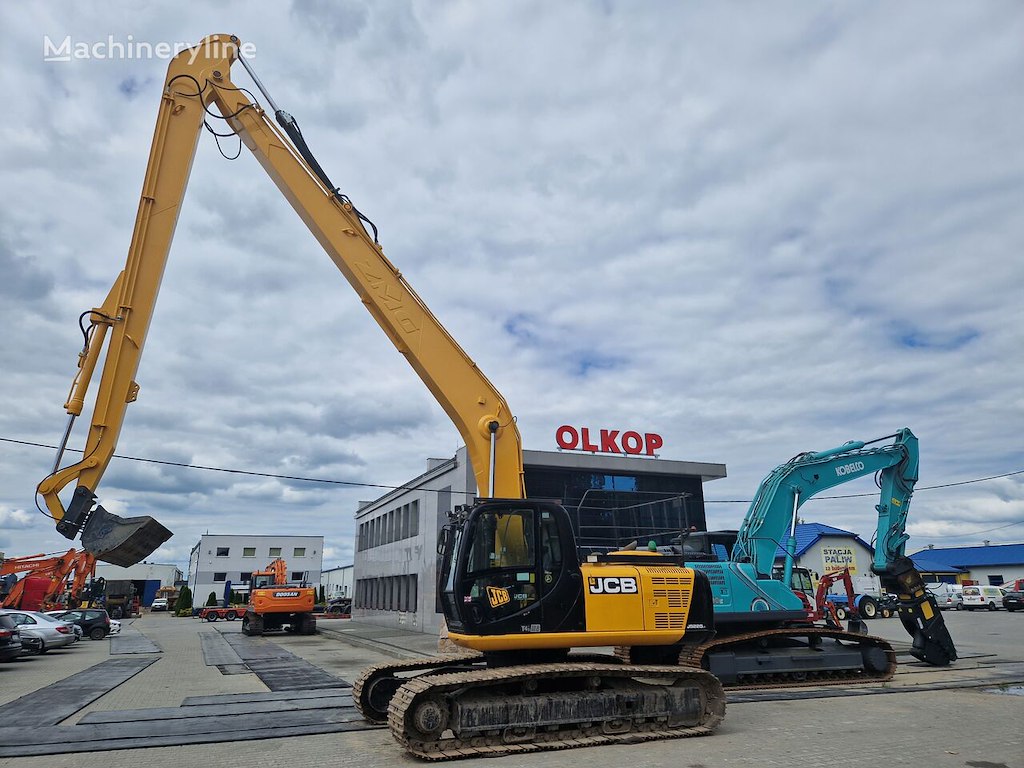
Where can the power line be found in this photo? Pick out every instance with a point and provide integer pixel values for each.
(250, 473)
(356, 484)
(860, 495)
(974, 533)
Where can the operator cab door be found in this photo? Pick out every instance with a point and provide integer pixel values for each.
(516, 571)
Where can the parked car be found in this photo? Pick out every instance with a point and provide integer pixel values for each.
(41, 633)
(946, 595)
(1014, 600)
(981, 596)
(10, 639)
(58, 614)
(159, 604)
(94, 621)
(115, 626)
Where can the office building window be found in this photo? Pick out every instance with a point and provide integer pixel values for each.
(389, 593)
(299, 552)
(297, 575)
(223, 551)
(275, 552)
(394, 525)
(248, 551)
(245, 577)
(220, 576)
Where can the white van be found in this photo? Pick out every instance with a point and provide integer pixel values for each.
(978, 596)
(946, 595)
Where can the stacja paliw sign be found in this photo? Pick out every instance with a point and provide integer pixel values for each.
(836, 558)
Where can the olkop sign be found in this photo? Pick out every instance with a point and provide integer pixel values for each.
(608, 441)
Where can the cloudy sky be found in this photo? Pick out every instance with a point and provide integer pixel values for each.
(756, 229)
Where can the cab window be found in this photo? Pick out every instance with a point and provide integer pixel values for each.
(501, 573)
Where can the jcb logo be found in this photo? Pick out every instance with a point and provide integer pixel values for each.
(612, 585)
(498, 596)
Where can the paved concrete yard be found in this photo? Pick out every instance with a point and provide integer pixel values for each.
(952, 717)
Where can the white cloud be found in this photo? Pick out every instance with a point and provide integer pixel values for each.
(17, 519)
(754, 232)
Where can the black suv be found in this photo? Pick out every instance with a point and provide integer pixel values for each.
(1013, 600)
(94, 621)
(10, 639)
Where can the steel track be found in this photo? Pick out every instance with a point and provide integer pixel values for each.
(550, 737)
(695, 657)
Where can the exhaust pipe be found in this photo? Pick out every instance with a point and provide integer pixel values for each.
(113, 539)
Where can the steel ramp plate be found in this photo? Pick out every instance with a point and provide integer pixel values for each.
(59, 701)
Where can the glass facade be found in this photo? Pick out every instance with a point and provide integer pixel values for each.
(610, 510)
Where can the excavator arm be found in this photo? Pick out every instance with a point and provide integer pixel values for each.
(55, 569)
(789, 486)
(85, 568)
(198, 81)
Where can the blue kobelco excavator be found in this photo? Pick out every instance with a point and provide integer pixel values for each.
(763, 633)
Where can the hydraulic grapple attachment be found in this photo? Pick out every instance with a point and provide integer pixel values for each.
(113, 539)
(920, 615)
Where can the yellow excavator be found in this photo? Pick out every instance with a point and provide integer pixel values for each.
(515, 595)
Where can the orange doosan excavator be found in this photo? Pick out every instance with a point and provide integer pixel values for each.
(275, 603)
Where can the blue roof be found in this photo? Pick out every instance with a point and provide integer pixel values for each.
(966, 557)
(927, 565)
(808, 533)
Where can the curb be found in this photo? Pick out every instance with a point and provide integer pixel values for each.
(381, 646)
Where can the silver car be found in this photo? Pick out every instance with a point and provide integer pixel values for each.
(77, 629)
(40, 632)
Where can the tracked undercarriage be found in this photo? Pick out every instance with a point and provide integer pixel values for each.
(459, 707)
(788, 657)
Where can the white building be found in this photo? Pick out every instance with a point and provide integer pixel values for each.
(396, 559)
(146, 577)
(338, 582)
(219, 559)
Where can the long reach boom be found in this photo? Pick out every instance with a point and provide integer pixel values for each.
(200, 78)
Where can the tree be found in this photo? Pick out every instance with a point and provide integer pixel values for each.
(212, 599)
(323, 595)
(183, 605)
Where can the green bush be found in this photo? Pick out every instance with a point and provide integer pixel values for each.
(212, 599)
(322, 598)
(183, 605)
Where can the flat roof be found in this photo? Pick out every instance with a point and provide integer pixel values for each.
(602, 462)
(591, 462)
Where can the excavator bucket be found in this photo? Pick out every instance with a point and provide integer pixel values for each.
(857, 627)
(122, 540)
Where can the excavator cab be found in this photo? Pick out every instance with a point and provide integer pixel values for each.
(510, 567)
